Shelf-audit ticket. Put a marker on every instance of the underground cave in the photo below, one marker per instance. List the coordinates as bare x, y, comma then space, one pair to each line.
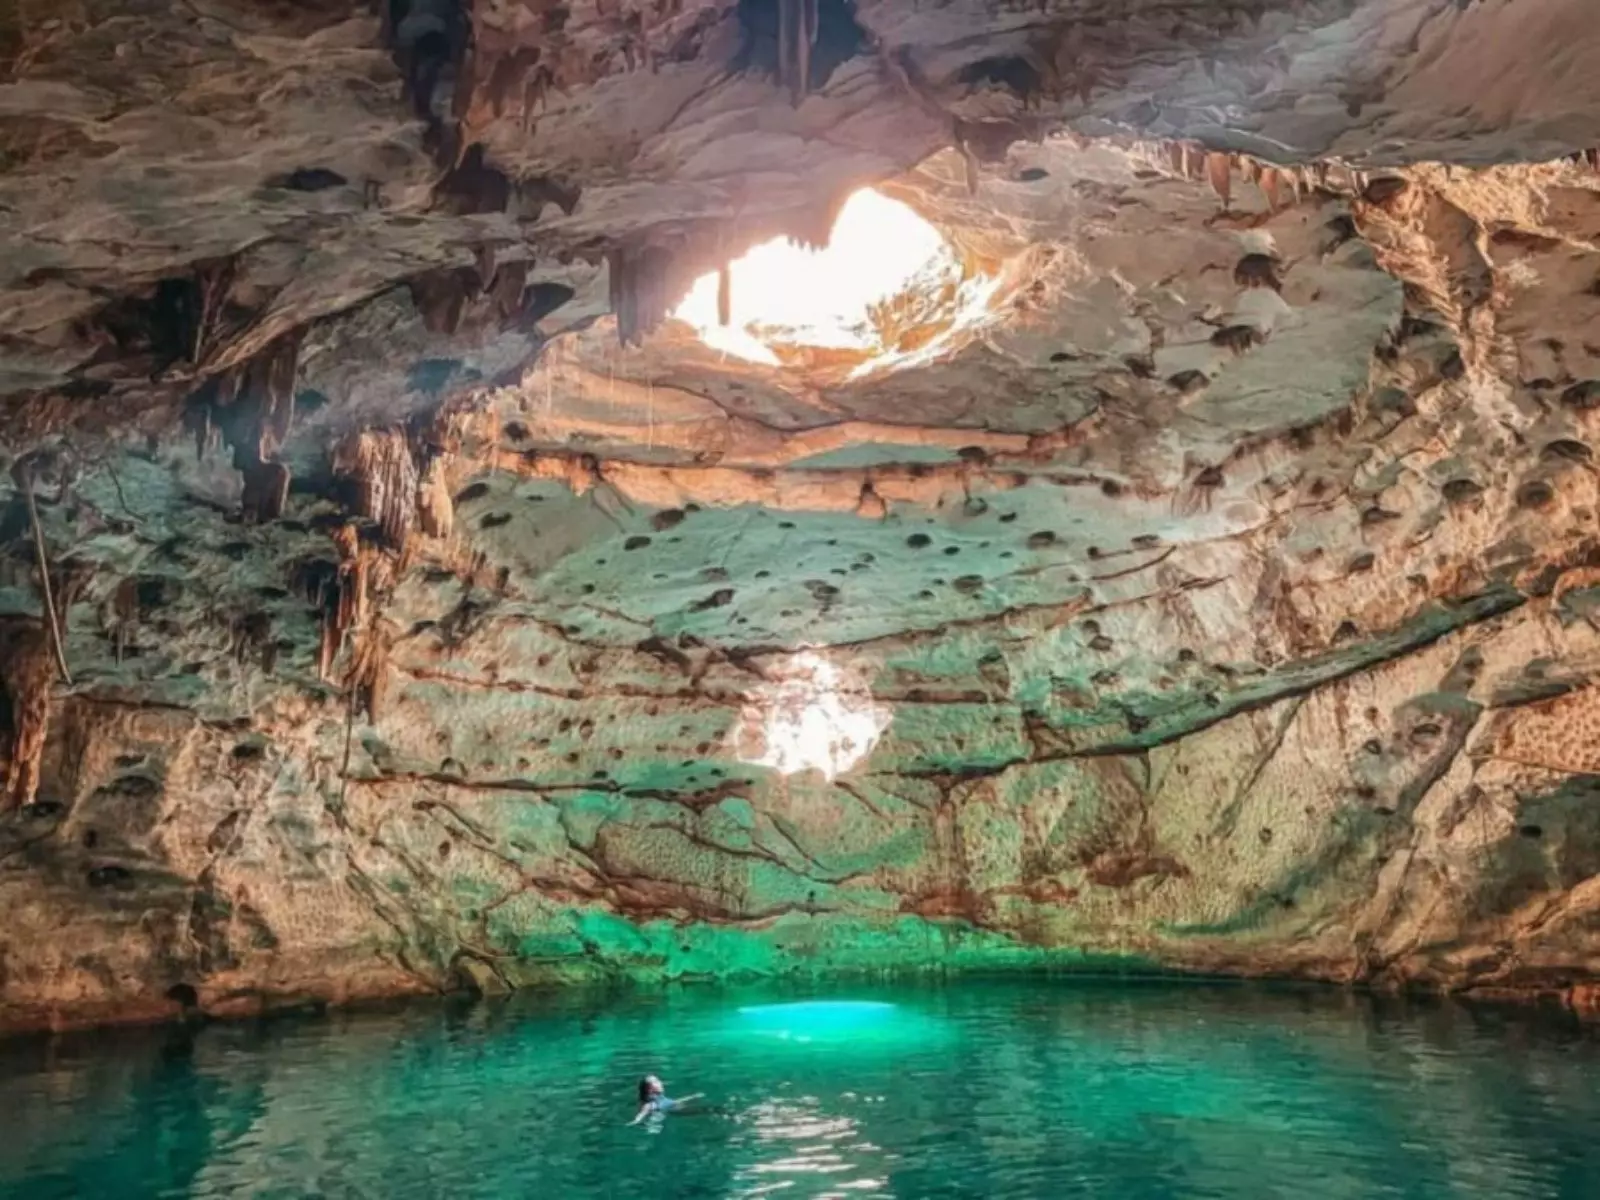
1012, 593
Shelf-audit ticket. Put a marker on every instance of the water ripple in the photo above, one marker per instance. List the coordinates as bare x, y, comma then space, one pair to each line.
1005, 1092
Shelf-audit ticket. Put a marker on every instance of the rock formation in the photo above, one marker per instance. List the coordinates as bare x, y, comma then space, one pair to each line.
396, 597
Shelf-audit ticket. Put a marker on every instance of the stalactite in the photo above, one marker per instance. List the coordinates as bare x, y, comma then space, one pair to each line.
805, 39
214, 279
366, 575
617, 272
464, 94
180, 317
22, 474
26, 667
384, 469
276, 396
1282, 186
253, 410
393, 493
328, 645
266, 491
374, 674
812, 228
124, 614
352, 605
441, 297
252, 639
1269, 183
510, 280
364, 679
348, 604
483, 261
435, 506
644, 287
798, 29
724, 295
785, 42
205, 431
1219, 170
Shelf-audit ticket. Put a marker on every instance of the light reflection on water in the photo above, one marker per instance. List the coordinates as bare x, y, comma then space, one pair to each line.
975, 1090
802, 1141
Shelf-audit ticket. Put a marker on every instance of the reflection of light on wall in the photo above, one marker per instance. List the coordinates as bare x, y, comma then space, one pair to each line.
783, 294
810, 715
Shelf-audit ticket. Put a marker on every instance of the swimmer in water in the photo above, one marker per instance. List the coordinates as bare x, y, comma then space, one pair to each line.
654, 1102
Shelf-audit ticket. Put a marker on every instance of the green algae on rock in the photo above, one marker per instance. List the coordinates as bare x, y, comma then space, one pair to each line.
1194, 573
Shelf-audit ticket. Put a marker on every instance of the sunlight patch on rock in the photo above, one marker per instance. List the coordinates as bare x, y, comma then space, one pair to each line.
812, 715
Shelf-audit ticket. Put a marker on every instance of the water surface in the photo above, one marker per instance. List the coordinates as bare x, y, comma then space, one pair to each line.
1049, 1088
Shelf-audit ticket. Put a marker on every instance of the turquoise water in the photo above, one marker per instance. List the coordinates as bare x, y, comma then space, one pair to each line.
972, 1090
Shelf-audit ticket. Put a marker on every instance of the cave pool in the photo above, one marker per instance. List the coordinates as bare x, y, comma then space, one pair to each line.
990, 1089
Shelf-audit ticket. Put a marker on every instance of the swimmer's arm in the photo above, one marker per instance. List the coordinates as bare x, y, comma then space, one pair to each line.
643, 1113
691, 1098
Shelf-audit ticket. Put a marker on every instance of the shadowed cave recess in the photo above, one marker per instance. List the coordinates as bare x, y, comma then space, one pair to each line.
434, 556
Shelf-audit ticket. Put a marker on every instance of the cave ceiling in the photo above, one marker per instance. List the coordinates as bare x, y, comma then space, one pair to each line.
268, 268
269, 229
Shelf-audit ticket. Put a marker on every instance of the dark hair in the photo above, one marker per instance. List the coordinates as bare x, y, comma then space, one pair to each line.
644, 1091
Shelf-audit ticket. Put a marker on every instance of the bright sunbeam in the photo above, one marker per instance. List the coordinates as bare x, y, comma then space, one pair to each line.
880, 251
810, 715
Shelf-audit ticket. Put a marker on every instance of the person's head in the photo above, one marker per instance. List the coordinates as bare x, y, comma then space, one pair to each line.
649, 1088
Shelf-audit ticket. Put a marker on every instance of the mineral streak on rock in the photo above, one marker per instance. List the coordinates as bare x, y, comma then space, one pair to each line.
1222, 595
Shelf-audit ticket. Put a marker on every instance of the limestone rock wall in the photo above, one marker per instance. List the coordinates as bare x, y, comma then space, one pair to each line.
437, 614
1428, 819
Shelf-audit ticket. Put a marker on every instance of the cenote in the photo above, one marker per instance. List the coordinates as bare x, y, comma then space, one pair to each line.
521, 517
973, 1089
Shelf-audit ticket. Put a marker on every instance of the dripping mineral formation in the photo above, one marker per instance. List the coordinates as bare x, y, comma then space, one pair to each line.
1192, 563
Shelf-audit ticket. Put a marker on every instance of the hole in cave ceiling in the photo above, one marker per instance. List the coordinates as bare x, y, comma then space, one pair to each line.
888, 291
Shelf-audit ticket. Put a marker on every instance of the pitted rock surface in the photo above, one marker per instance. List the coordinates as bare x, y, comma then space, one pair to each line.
1223, 600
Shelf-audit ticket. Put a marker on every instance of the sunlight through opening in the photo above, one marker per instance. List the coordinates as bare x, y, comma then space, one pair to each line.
811, 715
887, 291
